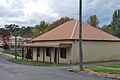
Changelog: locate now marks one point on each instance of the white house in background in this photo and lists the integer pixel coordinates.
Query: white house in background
(1, 43)
(19, 42)
(26, 40)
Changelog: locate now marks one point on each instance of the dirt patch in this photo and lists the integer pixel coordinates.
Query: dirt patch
(91, 72)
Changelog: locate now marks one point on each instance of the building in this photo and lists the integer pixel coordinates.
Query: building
(61, 45)
(1, 43)
(19, 42)
(26, 40)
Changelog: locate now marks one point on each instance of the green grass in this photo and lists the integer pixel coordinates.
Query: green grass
(105, 70)
(35, 63)
(113, 66)
(12, 53)
(99, 61)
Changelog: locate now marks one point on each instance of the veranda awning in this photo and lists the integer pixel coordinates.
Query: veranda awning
(48, 44)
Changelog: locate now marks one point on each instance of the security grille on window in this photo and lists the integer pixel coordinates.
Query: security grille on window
(63, 53)
(48, 52)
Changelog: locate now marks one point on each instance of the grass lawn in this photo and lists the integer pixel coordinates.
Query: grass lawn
(101, 69)
(35, 63)
(113, 66)
(12, 53)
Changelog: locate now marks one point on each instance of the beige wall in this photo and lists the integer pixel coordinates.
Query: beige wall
(75, 52)
(92, 51)
(67, 59)
(97, 51)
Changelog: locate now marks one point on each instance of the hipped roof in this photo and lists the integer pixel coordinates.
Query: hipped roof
(70, 31)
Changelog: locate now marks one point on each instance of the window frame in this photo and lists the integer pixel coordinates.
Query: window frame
(38, 52)
(48, 52)
(63, 53)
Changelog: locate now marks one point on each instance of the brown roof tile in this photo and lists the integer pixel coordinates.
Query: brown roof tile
(70, 31)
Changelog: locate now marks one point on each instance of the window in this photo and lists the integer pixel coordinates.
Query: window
(63, 52)
(38, 52)
(48, 52)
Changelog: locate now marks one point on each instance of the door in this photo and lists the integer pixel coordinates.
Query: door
(55, 56)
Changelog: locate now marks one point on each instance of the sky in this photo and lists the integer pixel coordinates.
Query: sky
(31, 12)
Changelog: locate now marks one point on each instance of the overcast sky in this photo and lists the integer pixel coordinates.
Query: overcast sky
(31, 12)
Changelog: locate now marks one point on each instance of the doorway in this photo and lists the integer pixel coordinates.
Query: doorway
(55, 56)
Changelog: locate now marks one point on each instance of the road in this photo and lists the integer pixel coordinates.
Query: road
(12, 71)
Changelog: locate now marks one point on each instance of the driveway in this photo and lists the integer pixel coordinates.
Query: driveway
(12, 71)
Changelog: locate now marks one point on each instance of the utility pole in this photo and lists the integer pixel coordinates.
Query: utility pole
(80, 37)
(15, 42)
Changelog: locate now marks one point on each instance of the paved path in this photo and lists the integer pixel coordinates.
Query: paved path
(12, 71)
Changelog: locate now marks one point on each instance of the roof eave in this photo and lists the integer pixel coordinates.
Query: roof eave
(102, 40)
(53, 40)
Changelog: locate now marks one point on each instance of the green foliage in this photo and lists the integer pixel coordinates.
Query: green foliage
(35, 63)
(93, 21)
(13, 53)
(26, 32)
(31, 32)
(59, 22)
(23, 31)
(106, 70)
(116, 22)
(109, 29)
(114, 27)
(44, 27)
(40, 29)
(12, 28)
(113, 66)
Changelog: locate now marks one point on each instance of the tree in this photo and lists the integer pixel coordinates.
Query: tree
(93, 21)
(59, 22)
(24, 31)
(109, 29)
(40, 29)
(116, 22)
(44, 27)
(12, 28)
(5, 37)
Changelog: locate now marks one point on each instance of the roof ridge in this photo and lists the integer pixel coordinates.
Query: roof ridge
(75, 26)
